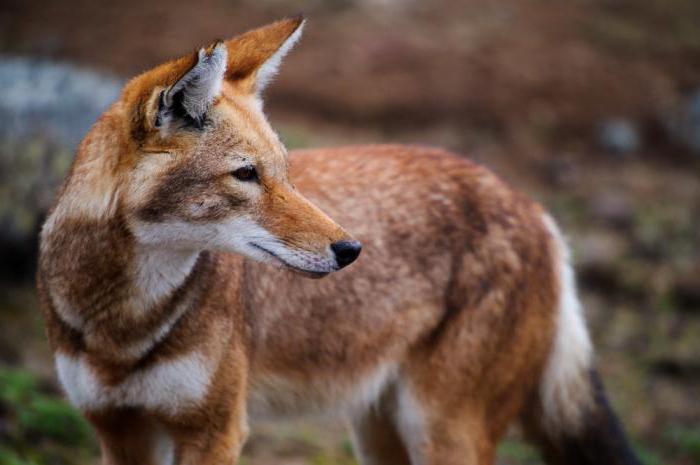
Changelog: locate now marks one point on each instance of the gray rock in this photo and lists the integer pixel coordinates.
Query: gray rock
(619, 136)
(56, 100)
(45, 108)
(683, 124)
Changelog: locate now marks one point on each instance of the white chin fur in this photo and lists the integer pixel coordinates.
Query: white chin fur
(239, 235)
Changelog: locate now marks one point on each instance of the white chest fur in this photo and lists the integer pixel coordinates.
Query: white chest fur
(168, 386)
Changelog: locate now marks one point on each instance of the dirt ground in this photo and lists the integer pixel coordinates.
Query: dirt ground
(523, 86)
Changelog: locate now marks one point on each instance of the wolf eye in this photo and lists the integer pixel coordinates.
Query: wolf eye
(245, 173)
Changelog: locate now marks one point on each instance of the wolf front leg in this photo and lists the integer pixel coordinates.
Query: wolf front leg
(209, 433)
(216, 442)
(129, 436)
(134, 437)
(212, 435)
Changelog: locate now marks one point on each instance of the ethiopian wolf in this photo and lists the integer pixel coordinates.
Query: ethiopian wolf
(171, 331)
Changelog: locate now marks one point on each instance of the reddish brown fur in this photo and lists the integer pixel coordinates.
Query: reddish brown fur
(455, 292)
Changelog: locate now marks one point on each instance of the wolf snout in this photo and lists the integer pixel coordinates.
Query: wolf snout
(346, 252)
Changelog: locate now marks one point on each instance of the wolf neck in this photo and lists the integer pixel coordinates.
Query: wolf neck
(121, 296)
(158, 274)
(101, 282)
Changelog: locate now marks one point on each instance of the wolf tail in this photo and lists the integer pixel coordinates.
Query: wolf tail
(571, 420)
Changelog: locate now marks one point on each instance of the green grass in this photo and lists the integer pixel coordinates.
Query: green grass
(40, 427)
(685, 440)
(10, 457)
(646, 455)
(515, 451)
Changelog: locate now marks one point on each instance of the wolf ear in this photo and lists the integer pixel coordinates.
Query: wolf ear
(255, 56)
(187, 101)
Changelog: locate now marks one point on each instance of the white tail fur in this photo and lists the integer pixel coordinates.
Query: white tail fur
(565, 387)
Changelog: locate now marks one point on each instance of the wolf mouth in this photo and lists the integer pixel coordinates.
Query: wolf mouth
(294, 268)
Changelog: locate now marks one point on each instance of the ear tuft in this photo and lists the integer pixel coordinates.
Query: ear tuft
(255, 56)
(192, 95)
(269, 68)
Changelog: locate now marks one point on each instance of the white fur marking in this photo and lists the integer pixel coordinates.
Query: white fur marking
(274, 396)
(269, 69)
(368, 391)
(200, 85)
(410, 422)
(159, 272)
(234, 235)
(65, 311)
(164, 448)
(565, 385)
(90, 195)
(139, 348)
(168, 386)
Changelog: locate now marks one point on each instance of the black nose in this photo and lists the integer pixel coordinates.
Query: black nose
(346, 252)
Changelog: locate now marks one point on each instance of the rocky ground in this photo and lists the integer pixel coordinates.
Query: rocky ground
(591, 106)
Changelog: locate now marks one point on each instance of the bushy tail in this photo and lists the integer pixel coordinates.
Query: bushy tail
(571, 419)
(597, 439)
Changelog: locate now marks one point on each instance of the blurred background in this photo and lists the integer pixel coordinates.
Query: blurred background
(591, 106)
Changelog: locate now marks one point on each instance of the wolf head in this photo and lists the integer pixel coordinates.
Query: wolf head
(187, 158)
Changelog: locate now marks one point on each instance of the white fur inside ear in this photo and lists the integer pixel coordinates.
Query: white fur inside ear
(201, 85)
(269, 69)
